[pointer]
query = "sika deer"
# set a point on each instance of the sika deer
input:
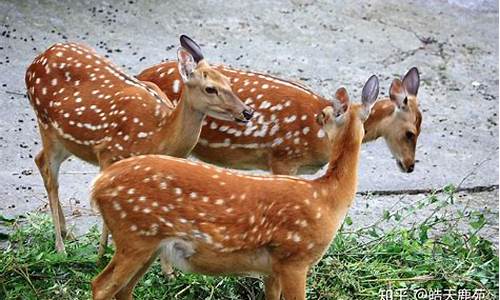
(211, 221)
(398, 120)
(284, 137)
(89, 108)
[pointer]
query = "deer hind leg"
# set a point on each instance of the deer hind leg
(126, 292)
(103, 243)
(293, 283)
(105, 159)
(49, 161)
(272, 287)
(123, 271)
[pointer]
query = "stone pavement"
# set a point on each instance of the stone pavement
(323, 44)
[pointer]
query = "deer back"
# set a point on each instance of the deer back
(283, 125)
(91, 104)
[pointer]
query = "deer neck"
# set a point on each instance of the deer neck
(182, 131)
(379, 119)
(338, 186)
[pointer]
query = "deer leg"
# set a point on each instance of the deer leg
(103, 243)
(293, 283)
(105, 160)
(124, 267)
(272, 287)
(49, 161)
(126, 292)
(105, 274)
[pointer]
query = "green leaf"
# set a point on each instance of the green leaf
(449, 189)
(423, 233)
(479, 222)
(433, 199)
(386, 214)
(4, 236)
(373, 233)
(7, 219)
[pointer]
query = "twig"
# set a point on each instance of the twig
(249, 293)
(24, 274)
(473, 171)
(15, 93)
(215, 287)
(466, 206)
(182, 291)
(79, 173)
(58, 278)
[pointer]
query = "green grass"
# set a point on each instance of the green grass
(359, 263)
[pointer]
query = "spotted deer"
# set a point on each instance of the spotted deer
(208, 220)
(283, 136)
(89, 108)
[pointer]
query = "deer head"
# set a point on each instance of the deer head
(210, 88)
(332, 118)
(405, 126)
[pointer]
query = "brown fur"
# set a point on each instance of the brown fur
(276, 226)
(288, 157)
(87, 107)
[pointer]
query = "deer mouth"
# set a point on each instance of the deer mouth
(245, 116)
(239, 117)
(403, 168)
(240, 121)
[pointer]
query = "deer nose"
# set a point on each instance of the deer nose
(410, 168)
(248, 113)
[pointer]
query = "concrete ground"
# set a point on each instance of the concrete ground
(323, 44)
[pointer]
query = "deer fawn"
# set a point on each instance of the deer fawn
(89, 108)
(284, 136)
(211, 221)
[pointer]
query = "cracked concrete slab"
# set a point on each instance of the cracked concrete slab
(323, 44)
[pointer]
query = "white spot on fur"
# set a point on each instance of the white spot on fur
(290, 119)
(265, 105)
(175, 86)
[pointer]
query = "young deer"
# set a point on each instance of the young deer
(211, 221)
(284, 136)
(89, 108)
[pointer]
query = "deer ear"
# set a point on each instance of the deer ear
(398, 95)
(325, 116)
(411, 81)
(192, 47)
(369, 96)
(186, 64)
(342, 102)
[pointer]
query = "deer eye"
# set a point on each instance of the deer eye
(410, 135)
(211, 90)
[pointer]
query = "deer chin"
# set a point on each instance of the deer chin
(240, 121)
(403, 168)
